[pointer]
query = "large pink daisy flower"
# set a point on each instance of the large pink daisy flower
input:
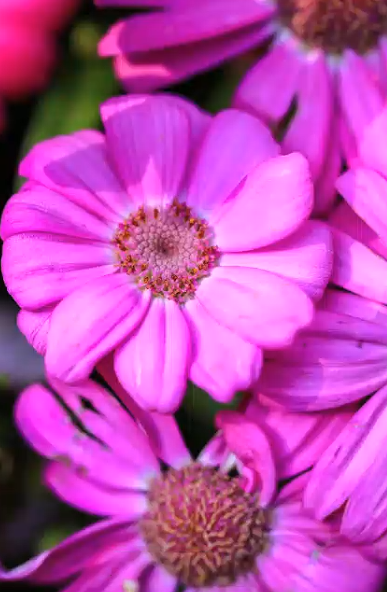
(177, 242)
(191, 524)
(320, 53)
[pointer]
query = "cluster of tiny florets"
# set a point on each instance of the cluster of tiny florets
(168, 250)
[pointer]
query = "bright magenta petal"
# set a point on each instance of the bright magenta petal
(35, 325)
(148, 141)
(275, 199)
(41, 269)
(88, 496)
(306, 258)
(38, 209)
(309, 130)
(366, 192)
(235, 144)
(357, 269)
(182, 25)
(153, 363)
(70, 556)
(271, 84)
(251, 447)
(261, 307)
(223, 363)
(91, 322)
(78, 167)
(145, 72)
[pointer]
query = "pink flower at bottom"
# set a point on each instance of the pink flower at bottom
(191, 524)
(178, 242)
(318, 55)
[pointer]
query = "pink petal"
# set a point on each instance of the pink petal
(366, 192)
(310, 129)
(323, 372)
(297, 439)
(357, 269)
(49, 429)
(324, 189)
(250, 445)
(38, 209)
(70, 556)
(359, 111)
(223, 363)
(35, 326)
(271, 84)
(306, 258)
(145, 72)
(344, 303)
(371, 152)
(148, 141)
(337, 568)
(235, 144)
(89, 496)
(181, 26)
(78, 166)
(216, 453)
(162, 430)
(344, 218)
(90, 323)
(115, 574)
(159, 579)
(293, 490)
(153, 363)
(130, 3)
(109, 422)
(358, 451)
(275, 199)
(261, 307)
(41, 269)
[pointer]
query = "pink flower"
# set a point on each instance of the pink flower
(177, 242)
(27, 43)
(191, 524)
(342, 356)
(319, 55)
(351, 475)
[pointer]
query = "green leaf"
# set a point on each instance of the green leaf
(55, 535)
(201, 406)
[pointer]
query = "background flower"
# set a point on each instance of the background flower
(316, 56)
(28, 30)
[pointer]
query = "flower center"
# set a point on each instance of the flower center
(168, 251)
(335, 25)
(202, 527)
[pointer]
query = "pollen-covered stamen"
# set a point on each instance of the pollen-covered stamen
(336, 25)
(167, 250)
(203, 527)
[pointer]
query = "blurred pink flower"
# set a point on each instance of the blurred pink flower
(319, 55)
(342, 355)
(351, 476)
(191, 524)
(27, 43)
(179, 242)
